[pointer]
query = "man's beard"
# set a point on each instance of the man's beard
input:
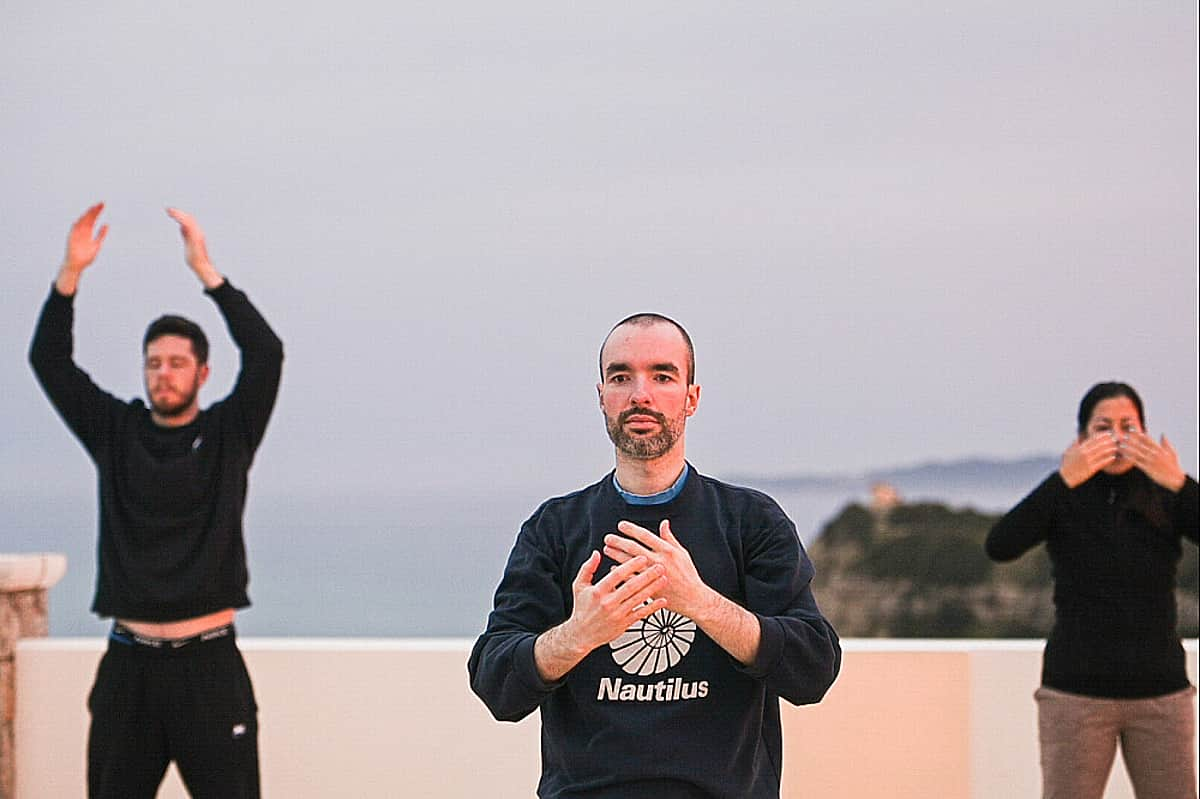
(169, 410)
(643, 447)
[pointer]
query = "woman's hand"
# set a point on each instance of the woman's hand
(1157, 459)
(1084, 458)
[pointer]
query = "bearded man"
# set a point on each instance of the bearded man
(655, 617)
(172, 685)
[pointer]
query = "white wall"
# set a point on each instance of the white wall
(396, 718)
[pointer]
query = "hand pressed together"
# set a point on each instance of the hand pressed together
(1157, 459)
(601, 611)
(732, 627)
(605, 609)
(684, 590)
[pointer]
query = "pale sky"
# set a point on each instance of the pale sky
(897, 232)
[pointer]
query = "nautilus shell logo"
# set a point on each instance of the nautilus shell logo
(654, 644)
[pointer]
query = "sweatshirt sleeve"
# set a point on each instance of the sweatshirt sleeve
(253, 395)
(1028, 523)
(1187, 510)
(528, 602)
(86, 408)
(799, 654)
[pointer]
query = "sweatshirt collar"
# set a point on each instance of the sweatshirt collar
(661, 498)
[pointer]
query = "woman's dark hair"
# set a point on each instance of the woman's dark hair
(1102, 391)
(178, 326)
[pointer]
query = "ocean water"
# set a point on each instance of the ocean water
(378, 565)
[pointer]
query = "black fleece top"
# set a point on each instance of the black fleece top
(662, 710)
(171, 499)
(1114, 544)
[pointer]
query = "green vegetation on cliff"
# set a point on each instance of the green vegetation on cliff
(919, 571)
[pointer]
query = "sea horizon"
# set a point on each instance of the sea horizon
(403, 563)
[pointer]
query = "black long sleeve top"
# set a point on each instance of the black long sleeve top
(1114, 544)
(170, 499)
(662, 710)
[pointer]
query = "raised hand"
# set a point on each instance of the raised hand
(82, 248)
(195, 251)
(1084, 458)
(1157, 459)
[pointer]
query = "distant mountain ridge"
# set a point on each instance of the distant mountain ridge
(921, 478)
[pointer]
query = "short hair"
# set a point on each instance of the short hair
(1102, 391)
(170, 325)
(646, 319)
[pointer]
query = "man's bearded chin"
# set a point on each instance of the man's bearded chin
(169, 410)
(644, 448)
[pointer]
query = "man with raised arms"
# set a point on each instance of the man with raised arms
(172, 685)
(657, 616)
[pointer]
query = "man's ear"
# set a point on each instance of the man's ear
(693, 399)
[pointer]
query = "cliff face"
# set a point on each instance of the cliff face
(919, 571)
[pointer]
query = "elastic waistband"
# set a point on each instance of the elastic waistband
(123, 635)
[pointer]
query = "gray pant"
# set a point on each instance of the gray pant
(1079, 737)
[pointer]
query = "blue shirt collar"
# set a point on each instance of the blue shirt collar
(661, 498)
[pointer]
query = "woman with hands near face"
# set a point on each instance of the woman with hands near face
(1113, 519)
(1113, 441)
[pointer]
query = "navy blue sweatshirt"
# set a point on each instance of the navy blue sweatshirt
(662, 710)
(1114, 544)
(171, 499)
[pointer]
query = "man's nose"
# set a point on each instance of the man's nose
(640, 395)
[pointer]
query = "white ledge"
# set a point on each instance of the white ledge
(31, 572)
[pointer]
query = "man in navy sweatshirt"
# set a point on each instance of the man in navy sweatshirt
(171, 563)
(657, 616)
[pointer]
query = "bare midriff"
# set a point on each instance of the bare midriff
(184, 628)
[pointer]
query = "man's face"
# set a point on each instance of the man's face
(173, 377)
(644, 392)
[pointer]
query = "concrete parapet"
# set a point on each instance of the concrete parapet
(907, 719)
(24, 613)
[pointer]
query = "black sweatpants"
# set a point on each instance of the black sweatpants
(192, 704)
